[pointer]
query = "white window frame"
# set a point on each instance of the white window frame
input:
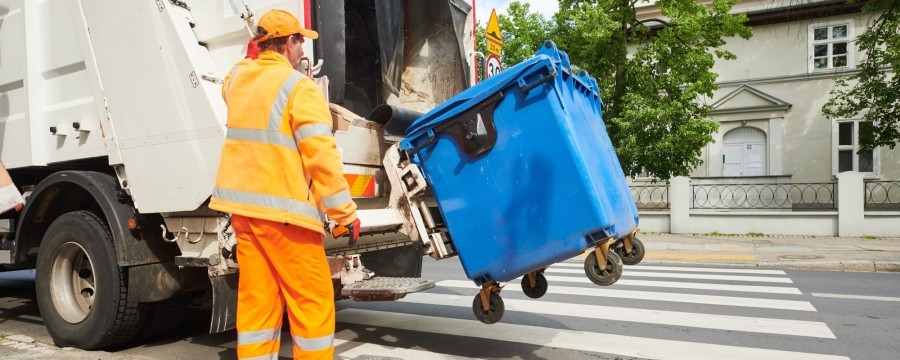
(643, 176)
(835, 148)
(811, 43)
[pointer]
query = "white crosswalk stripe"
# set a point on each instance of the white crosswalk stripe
(684, 269)
(677, 318)
(566, 339)
(765, 279)
(663, 296)
(655, 286)
(683, 285)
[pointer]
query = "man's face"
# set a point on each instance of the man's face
(295, 50)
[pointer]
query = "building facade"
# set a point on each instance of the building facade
(777, 164)
(769, 102)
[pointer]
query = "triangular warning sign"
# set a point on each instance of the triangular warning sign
(493, 28)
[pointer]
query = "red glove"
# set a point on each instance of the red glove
(252, 49)
(351, 229)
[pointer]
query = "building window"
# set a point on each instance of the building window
(829, 46)
(846, 155)
(644, 175)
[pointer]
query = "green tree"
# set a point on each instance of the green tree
(653, 73)
(523, 32)
(873, 92)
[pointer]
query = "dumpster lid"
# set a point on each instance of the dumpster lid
(473, 95)
(547, 57)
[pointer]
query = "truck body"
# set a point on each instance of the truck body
(111, 124)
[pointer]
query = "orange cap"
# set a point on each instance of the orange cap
(280, 23)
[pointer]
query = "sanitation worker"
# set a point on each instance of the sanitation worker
(280, 171)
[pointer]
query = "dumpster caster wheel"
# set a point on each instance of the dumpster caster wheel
(636, 254)
(606, 276)
(494, 312)
(539, 288)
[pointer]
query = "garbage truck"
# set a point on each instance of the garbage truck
(112, 121)
(111, 125)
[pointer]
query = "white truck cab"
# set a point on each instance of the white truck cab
(111, 124)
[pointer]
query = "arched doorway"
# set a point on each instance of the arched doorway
(745, 152)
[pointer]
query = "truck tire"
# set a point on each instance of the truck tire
(161, 317)
(81, 290)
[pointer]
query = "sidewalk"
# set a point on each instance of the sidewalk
(775, 251)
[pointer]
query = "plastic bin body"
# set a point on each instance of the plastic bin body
(522, 169)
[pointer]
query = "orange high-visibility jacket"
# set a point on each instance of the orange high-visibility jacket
(279, 161)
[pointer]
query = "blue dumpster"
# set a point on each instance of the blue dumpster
(522, 169)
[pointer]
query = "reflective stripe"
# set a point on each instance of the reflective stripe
(277, 111)
(314, 343)
(308, 131)
(234, 72)
(336, 200)
(269, 201)
(272, 356)
(253, 337)
(264, 136)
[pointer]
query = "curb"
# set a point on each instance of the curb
(851, 265)
(848, 265)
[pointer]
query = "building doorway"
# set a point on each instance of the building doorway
(745, 152)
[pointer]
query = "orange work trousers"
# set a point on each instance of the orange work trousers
(282, 265)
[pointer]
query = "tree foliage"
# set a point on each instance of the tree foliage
(873, 93)
(653, 73)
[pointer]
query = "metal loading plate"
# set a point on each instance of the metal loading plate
(385, 288)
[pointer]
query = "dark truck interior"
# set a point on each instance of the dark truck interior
(405, 53)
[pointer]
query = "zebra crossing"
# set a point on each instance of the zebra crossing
(667, 301)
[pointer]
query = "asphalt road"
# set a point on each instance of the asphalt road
(654, 311)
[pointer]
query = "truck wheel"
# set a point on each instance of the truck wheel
(161, 317)
(81, 290)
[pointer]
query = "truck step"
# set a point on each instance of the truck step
(385, 288)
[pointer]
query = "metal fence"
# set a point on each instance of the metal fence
(882, 195)
(651, 197)
(796, 196)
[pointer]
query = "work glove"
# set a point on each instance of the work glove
(351, 229)
(252, 49)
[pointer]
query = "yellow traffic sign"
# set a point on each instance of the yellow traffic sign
(493, 35)
(494, 48)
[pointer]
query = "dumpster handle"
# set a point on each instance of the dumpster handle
(527, 88)
(431, 140)
(473, 129)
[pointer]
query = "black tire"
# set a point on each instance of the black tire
(636, 254)
(494, 313)
(161, 317)
(77, 273)
(606, 276)
(540, 286)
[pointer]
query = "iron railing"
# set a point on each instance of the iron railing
(651, 197)
(882, 195)
(796, 196)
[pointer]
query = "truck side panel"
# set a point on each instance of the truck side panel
(164, 102)
(47, 106)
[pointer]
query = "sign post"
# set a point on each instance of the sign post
(494, 46)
